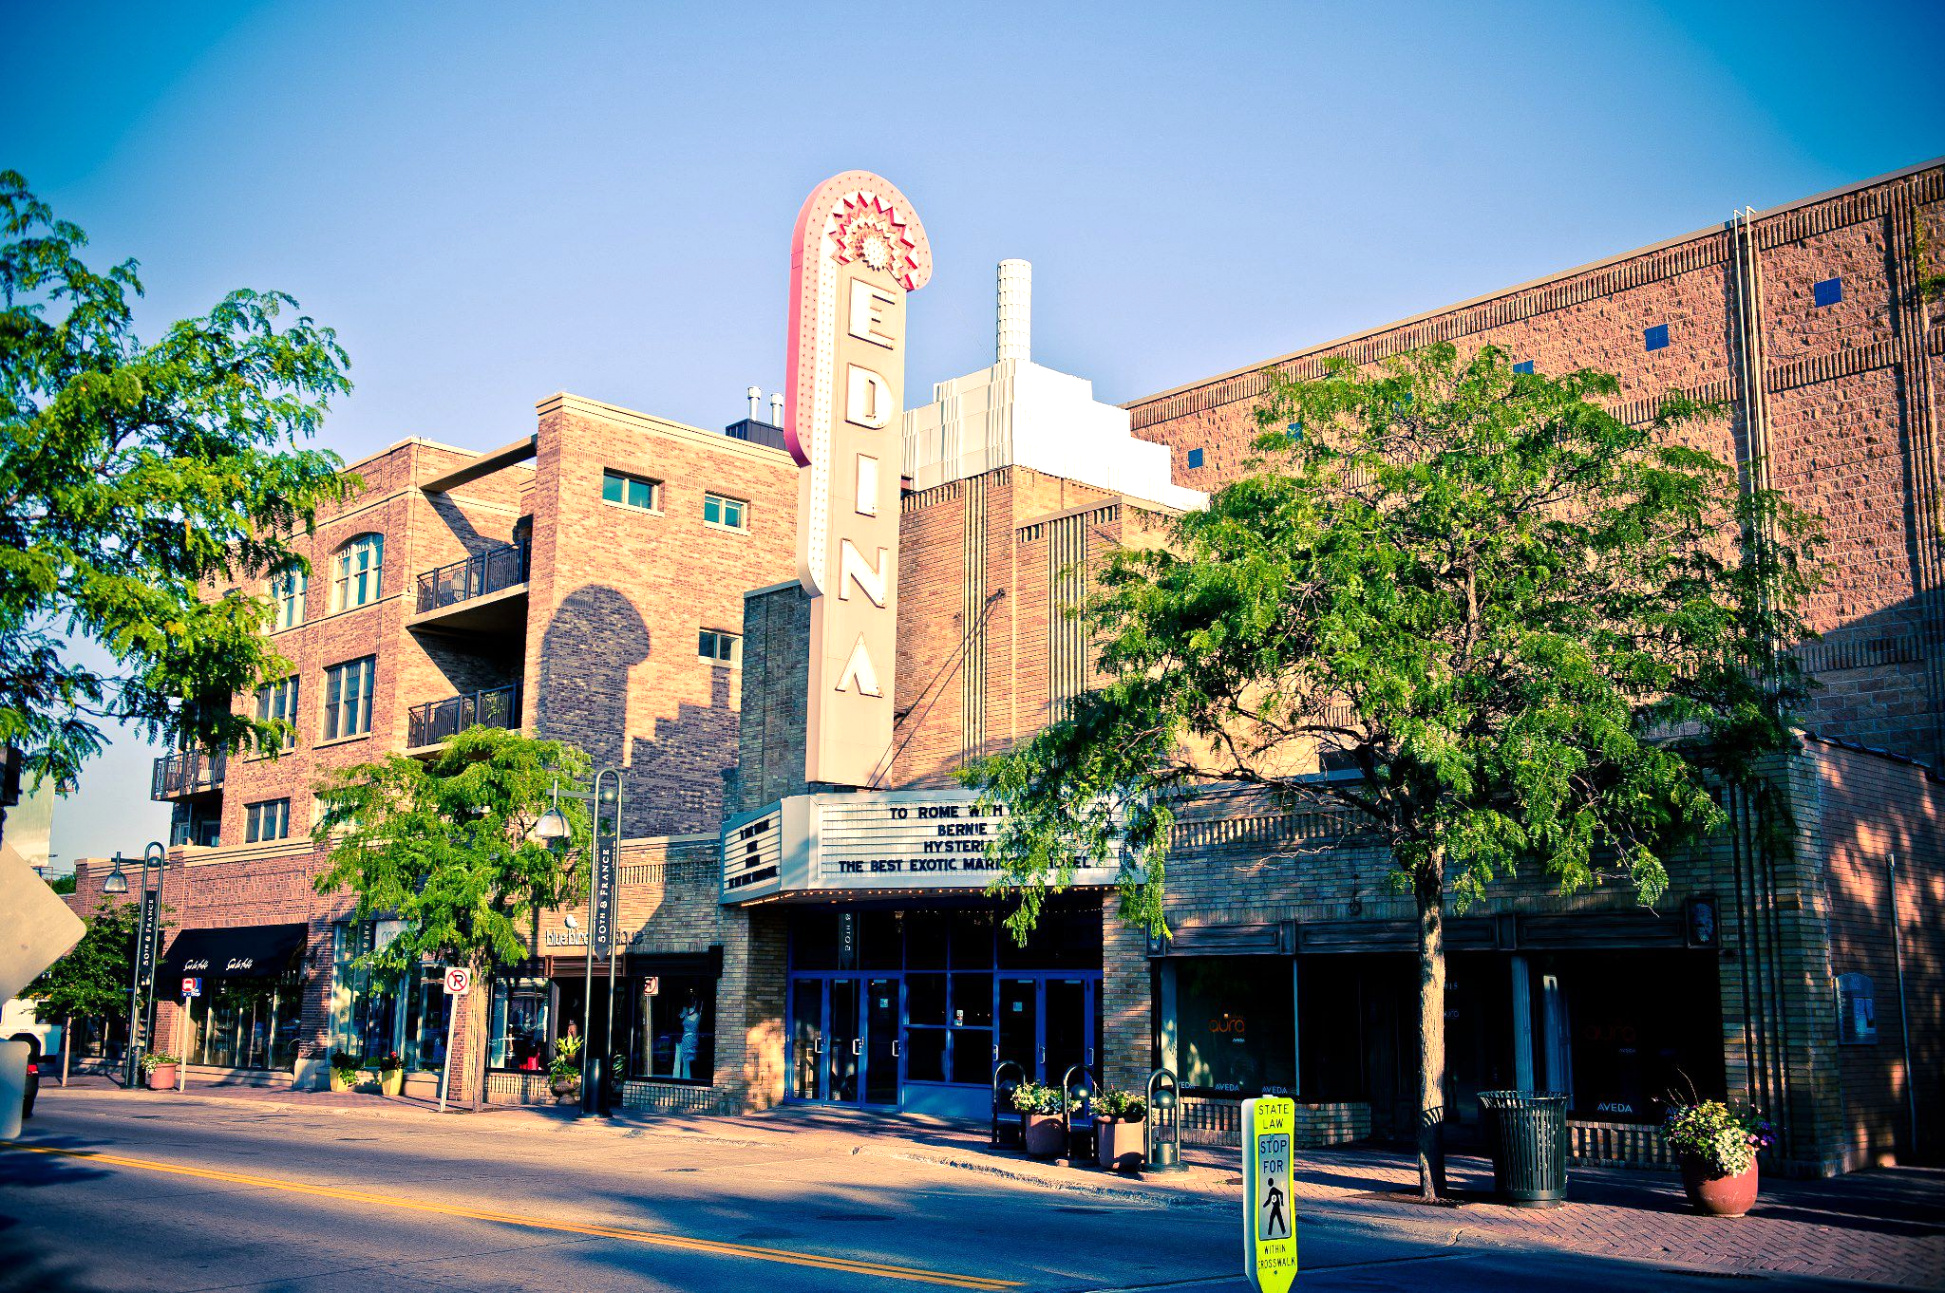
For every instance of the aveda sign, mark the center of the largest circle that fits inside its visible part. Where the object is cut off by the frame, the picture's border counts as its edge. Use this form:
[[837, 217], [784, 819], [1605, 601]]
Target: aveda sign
[[857, 251]]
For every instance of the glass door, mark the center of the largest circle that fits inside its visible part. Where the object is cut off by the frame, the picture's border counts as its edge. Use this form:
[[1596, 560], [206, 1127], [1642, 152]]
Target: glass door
[[844, 1050], [1019, 1023], [1049, 1023], [881, 1041], [1069, 1012], [807, 1038]]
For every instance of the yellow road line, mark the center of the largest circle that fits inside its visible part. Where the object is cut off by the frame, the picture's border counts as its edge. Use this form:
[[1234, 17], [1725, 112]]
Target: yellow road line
[[917, 1274]]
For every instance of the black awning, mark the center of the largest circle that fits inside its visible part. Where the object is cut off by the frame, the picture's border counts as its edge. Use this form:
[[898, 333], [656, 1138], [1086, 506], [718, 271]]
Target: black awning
[[243, 952]]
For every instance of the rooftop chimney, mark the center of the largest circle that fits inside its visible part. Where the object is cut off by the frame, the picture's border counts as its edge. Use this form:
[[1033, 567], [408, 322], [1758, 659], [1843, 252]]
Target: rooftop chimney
[[1015, 310], [756, 398], [776, 409]]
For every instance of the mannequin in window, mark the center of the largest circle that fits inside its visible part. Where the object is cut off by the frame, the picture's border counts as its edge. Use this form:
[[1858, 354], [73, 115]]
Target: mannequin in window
[[685, 1051]]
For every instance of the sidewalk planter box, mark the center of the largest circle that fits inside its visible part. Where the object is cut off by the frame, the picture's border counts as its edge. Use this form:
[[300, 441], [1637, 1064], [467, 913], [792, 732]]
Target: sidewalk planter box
[[162, 1077], [566, 1090], [391, 1081], [1717, 1194], [1123, 1145], [1046, 1134], [343, 1081]]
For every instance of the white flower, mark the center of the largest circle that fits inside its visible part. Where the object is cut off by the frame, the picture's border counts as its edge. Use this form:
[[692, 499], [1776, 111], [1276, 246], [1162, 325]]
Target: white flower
[[1733, 1153]]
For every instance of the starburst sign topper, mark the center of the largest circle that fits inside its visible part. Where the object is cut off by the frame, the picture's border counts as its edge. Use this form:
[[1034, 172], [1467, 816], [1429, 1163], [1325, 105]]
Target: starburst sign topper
[[857, 251]]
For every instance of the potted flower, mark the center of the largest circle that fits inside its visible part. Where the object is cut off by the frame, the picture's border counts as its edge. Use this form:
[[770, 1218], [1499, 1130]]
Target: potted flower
[[1121, 1129], [160, 1070], [1043, 1130], [391, 1074], [344, 1071], [564, 1074], [1717, 1148]]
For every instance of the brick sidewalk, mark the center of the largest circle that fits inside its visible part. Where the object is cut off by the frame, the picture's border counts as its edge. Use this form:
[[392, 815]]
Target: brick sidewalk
[[1885, 1226]]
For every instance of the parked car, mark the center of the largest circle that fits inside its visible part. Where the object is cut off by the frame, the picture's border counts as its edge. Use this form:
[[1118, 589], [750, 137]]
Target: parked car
[[33, 1071]]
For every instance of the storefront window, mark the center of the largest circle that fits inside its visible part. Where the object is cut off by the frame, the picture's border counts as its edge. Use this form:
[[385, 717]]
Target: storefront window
[[1235, 1016], [245, 1024], [375, 1014], [518, 1025], [675, 1039]]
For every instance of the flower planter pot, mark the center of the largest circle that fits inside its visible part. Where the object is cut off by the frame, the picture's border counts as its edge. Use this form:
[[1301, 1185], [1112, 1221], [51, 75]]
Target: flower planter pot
[[343, 1081], [1123, 1145], [566, 1090], [162, 1077], [1046, 1135], [1716, 1195], [391, 1081]]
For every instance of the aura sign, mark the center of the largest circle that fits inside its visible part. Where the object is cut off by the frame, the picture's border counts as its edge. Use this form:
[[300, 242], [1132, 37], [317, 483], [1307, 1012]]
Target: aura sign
[[858, 250]]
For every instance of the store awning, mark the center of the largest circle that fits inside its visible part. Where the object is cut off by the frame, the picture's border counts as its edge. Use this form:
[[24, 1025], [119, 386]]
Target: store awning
[[242, 952]]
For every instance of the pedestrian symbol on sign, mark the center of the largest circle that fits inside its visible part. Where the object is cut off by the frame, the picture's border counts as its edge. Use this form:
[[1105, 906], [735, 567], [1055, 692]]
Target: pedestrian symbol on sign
[[1274, 1224]]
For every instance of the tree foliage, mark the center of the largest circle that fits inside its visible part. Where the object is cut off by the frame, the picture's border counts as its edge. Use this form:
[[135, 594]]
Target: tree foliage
[[133, 477], [92, 980], [442, 845], [1534, 629], [1534, 633]]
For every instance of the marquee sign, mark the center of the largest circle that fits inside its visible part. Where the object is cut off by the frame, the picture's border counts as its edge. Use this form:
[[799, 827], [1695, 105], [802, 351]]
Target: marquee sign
[[858, 249], [899, 840]]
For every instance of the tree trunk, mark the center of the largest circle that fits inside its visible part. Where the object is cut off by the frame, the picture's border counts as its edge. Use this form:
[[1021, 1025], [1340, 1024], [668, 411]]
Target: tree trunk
[[1430, 892], [477, 1016], [67, 1045]]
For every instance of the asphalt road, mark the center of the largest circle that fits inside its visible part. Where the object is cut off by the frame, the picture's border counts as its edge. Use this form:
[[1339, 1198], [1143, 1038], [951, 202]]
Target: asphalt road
[[124, 1191]]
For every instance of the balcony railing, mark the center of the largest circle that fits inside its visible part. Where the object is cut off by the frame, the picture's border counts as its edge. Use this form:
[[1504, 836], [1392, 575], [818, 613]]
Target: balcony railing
[[482, 573], [439, 720], [187, 772]]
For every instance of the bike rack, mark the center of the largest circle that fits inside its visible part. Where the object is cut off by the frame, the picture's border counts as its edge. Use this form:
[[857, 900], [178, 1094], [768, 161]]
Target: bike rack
[[1068, 1087], [1003, 1102]]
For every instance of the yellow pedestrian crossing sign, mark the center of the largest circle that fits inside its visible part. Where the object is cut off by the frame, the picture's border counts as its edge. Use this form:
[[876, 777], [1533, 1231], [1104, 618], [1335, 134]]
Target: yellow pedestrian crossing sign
[[1269, 1214]]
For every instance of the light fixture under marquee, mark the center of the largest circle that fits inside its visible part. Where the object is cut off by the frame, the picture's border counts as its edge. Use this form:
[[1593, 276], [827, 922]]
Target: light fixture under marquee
[[857, 251]]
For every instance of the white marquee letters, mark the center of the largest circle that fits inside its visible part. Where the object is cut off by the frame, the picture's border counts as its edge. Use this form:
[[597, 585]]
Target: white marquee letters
[[858, 669], [868, 401]]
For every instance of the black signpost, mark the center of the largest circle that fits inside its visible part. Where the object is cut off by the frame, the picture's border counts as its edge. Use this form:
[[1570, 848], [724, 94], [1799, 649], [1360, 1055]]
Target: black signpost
[[602, 892], [141, 988]]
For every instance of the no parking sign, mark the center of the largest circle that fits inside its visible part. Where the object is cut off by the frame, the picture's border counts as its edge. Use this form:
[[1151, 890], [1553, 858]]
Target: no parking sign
[[459, 981]]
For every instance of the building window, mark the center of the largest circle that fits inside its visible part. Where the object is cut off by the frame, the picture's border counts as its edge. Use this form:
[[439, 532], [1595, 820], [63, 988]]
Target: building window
[[724, 648], [287, 595], [730, 513], [246, 1023], [1236, 1017], [1856, 1010], [1655, 338], [517, 1025], [1828, 291], [269, 820], [347, 698], [357, 573], [631, 491], [675, 1035], [1524, 366], [278, 703], [1195, 457]]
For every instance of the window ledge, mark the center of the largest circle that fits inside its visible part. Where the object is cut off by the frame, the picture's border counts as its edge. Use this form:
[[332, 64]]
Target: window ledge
[[743, 530], [341, 740], [632, 510]]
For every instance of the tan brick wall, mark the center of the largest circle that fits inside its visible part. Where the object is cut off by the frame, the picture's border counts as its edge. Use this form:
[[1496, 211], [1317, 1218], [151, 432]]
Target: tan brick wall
[[1852, 411]]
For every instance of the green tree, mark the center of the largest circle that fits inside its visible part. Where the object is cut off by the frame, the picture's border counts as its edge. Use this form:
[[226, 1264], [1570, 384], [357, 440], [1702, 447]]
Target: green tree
[[133, 477], [92, 980], [1537, 633], [444, 845]]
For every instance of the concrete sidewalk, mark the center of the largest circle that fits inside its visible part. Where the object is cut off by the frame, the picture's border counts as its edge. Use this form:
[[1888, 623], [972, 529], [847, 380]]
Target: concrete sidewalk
[[1885, 1226]]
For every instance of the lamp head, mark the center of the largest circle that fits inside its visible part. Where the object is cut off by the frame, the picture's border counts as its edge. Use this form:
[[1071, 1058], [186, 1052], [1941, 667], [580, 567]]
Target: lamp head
[[116, 881]]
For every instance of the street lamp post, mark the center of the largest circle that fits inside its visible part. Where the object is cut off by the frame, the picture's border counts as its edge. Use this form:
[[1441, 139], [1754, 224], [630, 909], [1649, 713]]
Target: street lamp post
[[553, 830], [141, 1021]]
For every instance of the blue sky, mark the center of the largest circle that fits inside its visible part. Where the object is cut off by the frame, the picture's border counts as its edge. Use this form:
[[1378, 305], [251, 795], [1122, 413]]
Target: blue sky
[[494, 202]]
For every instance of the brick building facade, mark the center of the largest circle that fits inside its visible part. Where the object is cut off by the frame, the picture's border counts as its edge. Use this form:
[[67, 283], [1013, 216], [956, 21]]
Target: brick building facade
[[1776, 971]]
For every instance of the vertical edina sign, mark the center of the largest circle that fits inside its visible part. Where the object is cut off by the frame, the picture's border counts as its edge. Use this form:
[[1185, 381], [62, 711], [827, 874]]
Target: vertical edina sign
[[858, 250]]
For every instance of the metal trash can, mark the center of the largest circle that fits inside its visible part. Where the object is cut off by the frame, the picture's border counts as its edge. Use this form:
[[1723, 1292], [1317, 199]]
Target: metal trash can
[[1526, 1132]]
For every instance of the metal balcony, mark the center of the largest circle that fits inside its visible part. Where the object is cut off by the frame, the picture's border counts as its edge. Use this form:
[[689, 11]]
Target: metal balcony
[[474, 593], [186, 773], [440, 720]]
